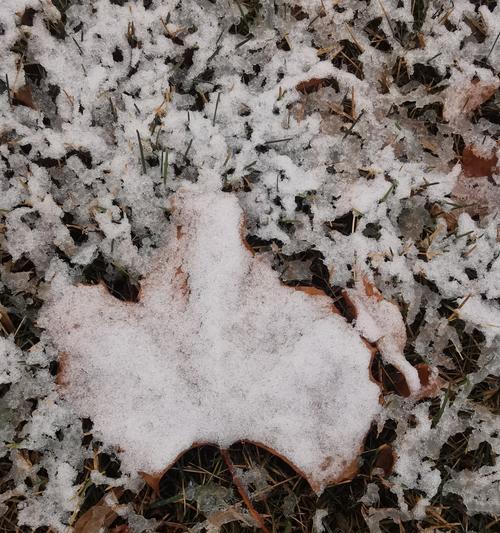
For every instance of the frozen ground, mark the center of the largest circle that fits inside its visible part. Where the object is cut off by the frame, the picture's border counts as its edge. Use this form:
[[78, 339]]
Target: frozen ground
[[358, 138]]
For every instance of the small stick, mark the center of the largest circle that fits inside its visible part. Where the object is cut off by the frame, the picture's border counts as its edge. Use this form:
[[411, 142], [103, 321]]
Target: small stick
[[142, 152], [242, 490], [353, 124], [434, 57], [279, 140], [113, 110], [157, 137], [241, 43], [312, 21], [78, 46], [217, 46], [8, 88], [165, 167], [188, 148], [216, 107], [493, 46]]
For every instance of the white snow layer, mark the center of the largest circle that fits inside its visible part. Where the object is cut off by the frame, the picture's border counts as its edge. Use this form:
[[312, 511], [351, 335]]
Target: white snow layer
[[217, 350]]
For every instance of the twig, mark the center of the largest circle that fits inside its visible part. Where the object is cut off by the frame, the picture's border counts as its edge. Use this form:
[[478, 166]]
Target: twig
[[216, 107], [78, 46], [187, 149], [142, 152], [279, 140], [8, 88], [217, 46], [164, 171], [387, 18], [434, 57], [348, 132], [113, 110], [241, 43], [493, 46], [312, 21], [243, 491]]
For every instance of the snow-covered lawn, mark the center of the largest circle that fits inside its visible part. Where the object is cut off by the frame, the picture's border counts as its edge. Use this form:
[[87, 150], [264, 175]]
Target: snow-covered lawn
[[292, 211]]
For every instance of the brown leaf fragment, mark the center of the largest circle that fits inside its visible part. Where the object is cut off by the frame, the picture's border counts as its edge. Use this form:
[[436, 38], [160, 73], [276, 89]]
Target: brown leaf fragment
[[314, 84], [24, 96], [462, 99], [430, 385], [101, 515], [478, 186], [5, 321], [450, 217], [220, 518], [385, 459], [477, 166]]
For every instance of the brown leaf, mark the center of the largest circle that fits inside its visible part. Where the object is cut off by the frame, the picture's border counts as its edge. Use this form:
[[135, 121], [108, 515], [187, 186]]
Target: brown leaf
[[5, 321], [449, 217], [313, 85], [24, 96], [27, 16], [101, 515], [477, 166], [460, 99], [430, 385], [477, 187], [254, 290], [385, 459]]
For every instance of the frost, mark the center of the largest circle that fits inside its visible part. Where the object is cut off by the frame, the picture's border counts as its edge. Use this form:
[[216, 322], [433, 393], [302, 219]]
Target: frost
[[214, 334], [479, 490], [360, 141]]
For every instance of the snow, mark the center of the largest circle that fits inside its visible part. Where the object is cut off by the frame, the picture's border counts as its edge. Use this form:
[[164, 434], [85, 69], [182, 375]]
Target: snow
[[399, 170], [217, 350], [379, 321]]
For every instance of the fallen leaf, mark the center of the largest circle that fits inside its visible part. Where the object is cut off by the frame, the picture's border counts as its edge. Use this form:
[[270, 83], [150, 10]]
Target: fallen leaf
[[24, 96], [385, 459], [99, 516], [380, 322], [312, 85], [217, 350], [475, 165], [5, 321], [478, 185], [462, 99]]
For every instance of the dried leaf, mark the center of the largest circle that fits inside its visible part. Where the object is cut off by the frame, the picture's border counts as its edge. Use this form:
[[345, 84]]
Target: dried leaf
[[217, 350], [313, 85], [24, 96], [478, 186], [5, 321], [477, 166], [380, 322], [385, 459], [460, 100], [101, 515]]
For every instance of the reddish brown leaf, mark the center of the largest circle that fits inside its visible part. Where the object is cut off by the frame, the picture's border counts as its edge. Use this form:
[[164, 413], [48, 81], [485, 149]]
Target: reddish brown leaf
[[385, 459], [24, 96], [462, 99], [430, 386], [101, 515], [312, 85], [477, 166]]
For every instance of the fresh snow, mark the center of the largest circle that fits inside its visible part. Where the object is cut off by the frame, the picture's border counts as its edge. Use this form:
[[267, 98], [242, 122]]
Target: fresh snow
[[388, 202], [217, 350]]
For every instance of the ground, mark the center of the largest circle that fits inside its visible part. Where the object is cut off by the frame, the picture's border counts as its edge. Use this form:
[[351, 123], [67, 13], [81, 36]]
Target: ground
[[360, 139]]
